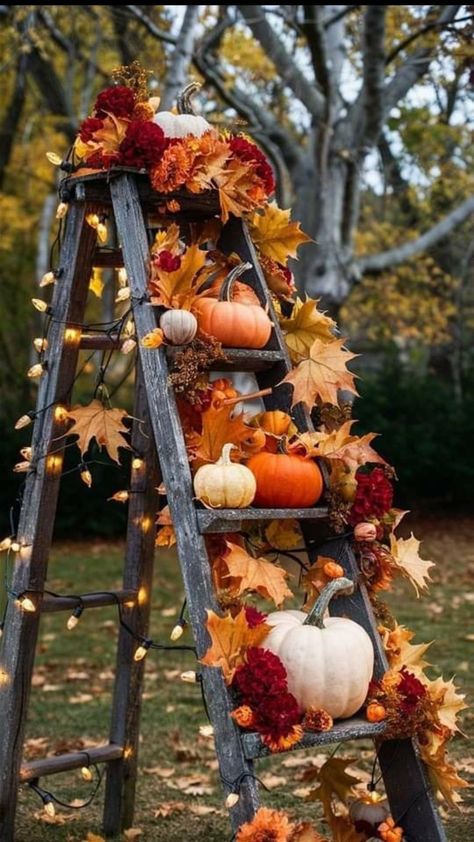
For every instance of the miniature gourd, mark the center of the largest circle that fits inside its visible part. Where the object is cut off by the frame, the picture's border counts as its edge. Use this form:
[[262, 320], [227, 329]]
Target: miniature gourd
[[329, 662], [179, 326], [225, 484]]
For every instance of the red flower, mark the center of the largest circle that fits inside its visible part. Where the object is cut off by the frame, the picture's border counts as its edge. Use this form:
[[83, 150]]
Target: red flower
[[100, 159], [411, 690], [253, 616], [117, 100], [143, 145], [374, 496], [166, 261], [88, 127], [276, 715], [250, 153], [261, 677]]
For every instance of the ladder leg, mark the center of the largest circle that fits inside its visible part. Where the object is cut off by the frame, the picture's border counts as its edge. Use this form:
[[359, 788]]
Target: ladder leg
[[138, 575], [406, 782], [38, 509], [175, 466]]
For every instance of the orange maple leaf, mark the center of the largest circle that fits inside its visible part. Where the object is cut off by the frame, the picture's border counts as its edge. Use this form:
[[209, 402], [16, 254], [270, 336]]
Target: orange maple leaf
[[256, 574], [340, 444], [171, 289], [112, 133], [238, 189], [94, 421], [231, 637], [218, 428], [322, 374]]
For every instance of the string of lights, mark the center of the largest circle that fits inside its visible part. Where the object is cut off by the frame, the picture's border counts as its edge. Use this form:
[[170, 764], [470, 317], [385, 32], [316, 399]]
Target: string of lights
[[49, 799]]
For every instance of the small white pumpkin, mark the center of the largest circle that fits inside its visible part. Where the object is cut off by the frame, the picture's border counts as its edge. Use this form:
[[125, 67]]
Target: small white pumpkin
[[225, 484], [329, 662], [179, 326], [371, 808], [185, 122]]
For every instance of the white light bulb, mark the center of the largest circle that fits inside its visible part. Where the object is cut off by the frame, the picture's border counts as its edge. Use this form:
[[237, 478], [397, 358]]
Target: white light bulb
[[86, 773], [189, 677], [232, 799]]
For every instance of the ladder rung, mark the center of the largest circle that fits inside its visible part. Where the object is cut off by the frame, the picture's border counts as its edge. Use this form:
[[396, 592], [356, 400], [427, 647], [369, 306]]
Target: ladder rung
[[93, 600], [239, 359], [108, 258], [100, 341], [72, 760], [230, 520], [348, 729]]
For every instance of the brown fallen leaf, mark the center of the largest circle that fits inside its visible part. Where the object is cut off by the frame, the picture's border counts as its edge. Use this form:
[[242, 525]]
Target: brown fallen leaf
[[167, 808], [160, 771], [106, 426], [273, 781], [131, 834]]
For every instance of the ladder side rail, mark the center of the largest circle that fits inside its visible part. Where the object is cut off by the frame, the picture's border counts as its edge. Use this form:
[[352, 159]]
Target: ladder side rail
[[138, 576], [174, 463], [39, 506]]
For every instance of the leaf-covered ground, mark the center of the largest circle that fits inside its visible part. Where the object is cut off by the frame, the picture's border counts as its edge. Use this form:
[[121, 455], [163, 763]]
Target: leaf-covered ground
[[178, 793]]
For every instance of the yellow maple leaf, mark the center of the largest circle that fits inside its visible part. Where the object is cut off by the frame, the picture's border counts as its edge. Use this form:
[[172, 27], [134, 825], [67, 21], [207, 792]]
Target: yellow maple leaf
[[443, 775], [167, 239], [93, 837], [94, 421], [274, 235], [231, 636], [322, 374], [171, 289], [165, 537], [450, 702], [306, 324], [401, 652], [256, 574], [405, 555], [153, 339], [283, 534]]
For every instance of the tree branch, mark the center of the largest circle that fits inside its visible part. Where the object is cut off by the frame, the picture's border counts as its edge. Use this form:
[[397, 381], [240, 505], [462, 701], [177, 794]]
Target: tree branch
[[12, 116], [375, 263], [152, 28], [373, 73], [339, 15], [64, 43], [416, 65], [290, 74], [180, 58], [418, 34], [313, 29]]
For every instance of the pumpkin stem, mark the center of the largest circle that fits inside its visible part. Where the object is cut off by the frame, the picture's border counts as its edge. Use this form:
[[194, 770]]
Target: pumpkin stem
[[236, 272], [283, 444], [316, 615], [224, 458], [184, 99]]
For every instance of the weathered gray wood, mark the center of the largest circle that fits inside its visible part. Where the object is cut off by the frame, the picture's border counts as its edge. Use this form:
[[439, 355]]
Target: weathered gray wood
[[108, 258], [350, 729], [230, 520], [52, 604], [239, 359], [64, 762], [177, 478], [138, 576], [38, 509]]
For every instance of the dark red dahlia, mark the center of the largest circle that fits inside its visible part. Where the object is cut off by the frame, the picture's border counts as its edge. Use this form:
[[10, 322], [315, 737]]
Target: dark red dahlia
[[276, 715], [143, 145], [250, 153], [411, 690], [103, 159], [262, 676], [374, 496], [117, 100], [88, 127], [167, 262], [253, 616]]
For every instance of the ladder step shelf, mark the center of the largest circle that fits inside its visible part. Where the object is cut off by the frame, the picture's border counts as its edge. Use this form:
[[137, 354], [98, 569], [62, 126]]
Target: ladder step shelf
[[350, 729], [71, 760], [230, 520]]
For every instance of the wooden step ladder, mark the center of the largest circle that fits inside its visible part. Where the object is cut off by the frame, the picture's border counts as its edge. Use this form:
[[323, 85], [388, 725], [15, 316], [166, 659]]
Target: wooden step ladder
[[134, 206]]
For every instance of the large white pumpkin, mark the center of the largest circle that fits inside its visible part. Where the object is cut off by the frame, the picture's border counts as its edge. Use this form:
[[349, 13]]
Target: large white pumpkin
[[329, 661]]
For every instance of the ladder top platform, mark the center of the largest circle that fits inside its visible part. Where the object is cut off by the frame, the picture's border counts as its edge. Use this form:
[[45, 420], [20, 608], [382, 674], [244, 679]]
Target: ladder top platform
[[93, 186]]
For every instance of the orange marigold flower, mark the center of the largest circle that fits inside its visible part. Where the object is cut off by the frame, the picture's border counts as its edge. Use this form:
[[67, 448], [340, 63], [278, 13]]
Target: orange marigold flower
[[284, 743], [391, 680], [174, 168], [244, 716], [266, 826], [143, 112]]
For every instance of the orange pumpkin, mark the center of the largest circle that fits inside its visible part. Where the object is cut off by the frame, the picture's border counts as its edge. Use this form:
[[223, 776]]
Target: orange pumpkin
[[285, 480], [235, 324], [276, 423]]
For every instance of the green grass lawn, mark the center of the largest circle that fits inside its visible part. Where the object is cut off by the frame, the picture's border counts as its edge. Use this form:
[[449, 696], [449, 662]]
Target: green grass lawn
[[73, 683]]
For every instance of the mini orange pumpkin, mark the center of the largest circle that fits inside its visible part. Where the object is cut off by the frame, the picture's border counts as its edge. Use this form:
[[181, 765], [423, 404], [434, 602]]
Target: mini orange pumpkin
[[376, 712], [285, 480], [235, 324]]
